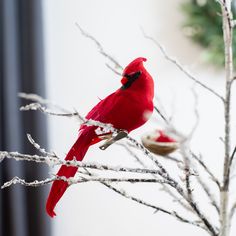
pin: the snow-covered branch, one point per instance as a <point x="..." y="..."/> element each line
<point x="54" y="160"/>
<point x="73" y="180"/>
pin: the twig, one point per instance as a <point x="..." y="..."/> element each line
<point x="49" y="160"/>
<point x="189" y="190"/>
<point x="37" y="106"/>
<point x="73" y="180"/>
<point x="231" y="159"/>
<point x="213" y="177"/>
<point x="209" y="194"/>
<point x="161" y="115"/>
<point x="156" y="208"/>
<point x="113" y="70"/>
<point x="197" y="116"/>
<point x="89" y="122"/>
<point x="100" y="48"/>
<point x="181" y="67"/>
<point x="41" y="150"/>
<point x="175" y="185"/>
<point x="232" y="211"/>
<point x="163" y="172"/>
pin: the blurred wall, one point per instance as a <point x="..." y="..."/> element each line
<point x="77" y="77"/>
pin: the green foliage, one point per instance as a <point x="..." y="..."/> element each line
<point x="203" y="24"/>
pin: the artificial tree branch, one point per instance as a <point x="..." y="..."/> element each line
<point x="232" y="211"/>
<point x="209" y="194"/>
<point x="181" y="67"/>
<point x="206" y="168"/>
<point x="189" y="200"/>
<point x="100" y="48"/>
<point x="52" y="161"/>
<point x="228" y="36"/>
<point x="156" y="208"/>
<point x="73" y="180"/>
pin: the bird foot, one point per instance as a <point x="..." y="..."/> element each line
<point x="120" y="135"/>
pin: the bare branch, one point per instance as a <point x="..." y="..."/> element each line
<point x="205" y="167"/>
<point x="156" y="208"/>
<point x="175" y="185"/>
<point x="209" y="194"/>
<point x="41" y="150"/>
<point x="54" y="160"/>
<point x="113" y="70"/>
<point x="163" y="172"/>
<point x="73" y="180"/>
<point x="232" y="157"/>
<point x="100" y="48"/>
<point x="197" y="116"/>
<point x="232" y="211"/>
<point x="123" y="193"/>
<point x="181" y="67"/>
<point x="36" y="106"/>
<point x="39" y="107"/>
<point x="161" y="115"/>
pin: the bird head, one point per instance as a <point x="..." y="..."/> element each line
<point x="132" y="72"/>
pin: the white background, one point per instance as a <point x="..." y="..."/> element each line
<point x="77" y="77"/>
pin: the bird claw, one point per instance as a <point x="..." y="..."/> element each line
<point x="120" y="135"/>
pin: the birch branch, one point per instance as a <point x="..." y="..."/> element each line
<point x="228" y="36"/>
<point x="181" y="67"/>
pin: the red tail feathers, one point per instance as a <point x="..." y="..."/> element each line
<point x="77" y="151"/>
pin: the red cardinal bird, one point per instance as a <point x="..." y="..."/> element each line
<point x="125" y="109"/>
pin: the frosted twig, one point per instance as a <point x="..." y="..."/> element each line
<point x="73" y="180"/>
<point x="196" y="113"/>
<point x="181" y="67"/>
<point x="156" y="208"/>
<point x="54" y="160"/>
<point x="113" y="70"/>
<point x="41" y="150"/>
<point x="161" y="115"/>
<point x="232" y="157"/>
<point x="209" y="194"/>
<point x="175" y="185"/>
<point x="123" y="193"/>
<point x="100" y="48"/>
<point x="35" y="183"/>
<point x="163" y="171"/>
<point x="164" y="187"/>
<point x="189" y="190"/>
<point x="36" y="98"/>
<point x="205" y="167"/>
<point x="37" y="106"/>
<point x="232" y="211"/>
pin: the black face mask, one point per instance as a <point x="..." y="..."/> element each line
<point x="131" y="78"/>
